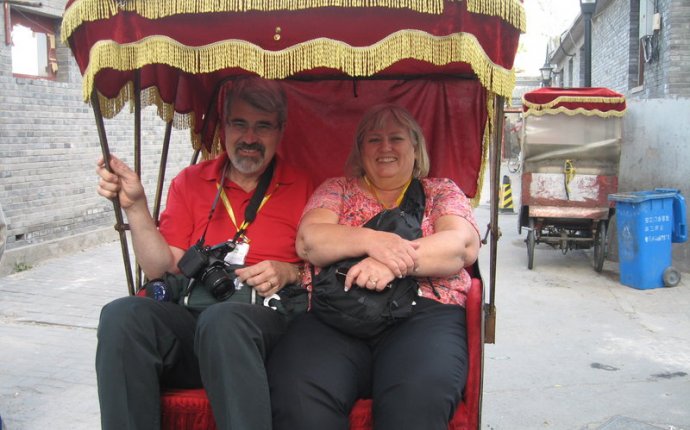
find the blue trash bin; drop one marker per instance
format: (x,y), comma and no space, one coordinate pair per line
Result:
(647,223)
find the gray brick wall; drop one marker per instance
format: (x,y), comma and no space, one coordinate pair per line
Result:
(677,46)
(633,44)
(609,46)
(49,145)
(615,50)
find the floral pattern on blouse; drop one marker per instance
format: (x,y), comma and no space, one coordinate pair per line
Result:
(355,207)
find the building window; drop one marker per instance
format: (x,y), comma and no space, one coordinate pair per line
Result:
(33,45)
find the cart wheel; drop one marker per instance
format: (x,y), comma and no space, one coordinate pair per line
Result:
(671,276)
(600,248)
(531,240)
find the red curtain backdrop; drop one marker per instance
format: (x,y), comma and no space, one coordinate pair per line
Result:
(324,115)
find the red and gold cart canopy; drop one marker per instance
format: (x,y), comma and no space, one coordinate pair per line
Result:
(601,102)
(443,60)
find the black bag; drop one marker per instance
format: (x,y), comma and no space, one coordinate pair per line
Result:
(362,312)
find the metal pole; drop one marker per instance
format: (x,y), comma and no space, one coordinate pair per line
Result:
(120,226)
(139,278)
(588,50)
(495,173)
(161,171)
(8,24)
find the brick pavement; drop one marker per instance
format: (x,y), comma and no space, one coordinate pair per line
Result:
(575,349)
(48,320)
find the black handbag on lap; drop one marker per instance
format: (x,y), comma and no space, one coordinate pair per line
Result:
(362,312)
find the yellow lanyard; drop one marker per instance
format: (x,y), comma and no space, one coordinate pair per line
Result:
(231,213)
(397,201)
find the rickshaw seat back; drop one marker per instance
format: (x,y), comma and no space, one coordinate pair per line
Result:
(190,409)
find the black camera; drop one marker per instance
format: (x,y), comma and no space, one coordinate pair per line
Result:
(206,264)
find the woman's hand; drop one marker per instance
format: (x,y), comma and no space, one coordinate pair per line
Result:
(369,273)
(397,254)
(268,277)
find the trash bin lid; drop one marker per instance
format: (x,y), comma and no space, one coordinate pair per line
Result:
(641,196)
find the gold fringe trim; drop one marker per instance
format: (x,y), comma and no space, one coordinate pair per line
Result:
(573,99)
(511,11)
(93,10)
(578,111)
(216,147)
(149,97)
(486,145)
(353,61)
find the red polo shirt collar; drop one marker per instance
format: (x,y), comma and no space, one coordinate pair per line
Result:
(281,176)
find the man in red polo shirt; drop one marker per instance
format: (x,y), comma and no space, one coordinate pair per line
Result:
(144,344)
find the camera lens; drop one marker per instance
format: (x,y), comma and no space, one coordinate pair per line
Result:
(219,283)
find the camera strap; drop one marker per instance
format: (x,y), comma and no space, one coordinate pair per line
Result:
(202,239)
(256,201)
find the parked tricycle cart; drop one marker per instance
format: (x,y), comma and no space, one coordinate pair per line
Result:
(570,155)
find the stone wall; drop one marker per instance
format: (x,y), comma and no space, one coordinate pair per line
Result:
(48,149)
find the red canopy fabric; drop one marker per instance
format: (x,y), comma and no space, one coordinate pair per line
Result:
(601,102)
(444,60)
(320,132)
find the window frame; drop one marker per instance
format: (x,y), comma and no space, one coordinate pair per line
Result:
(38,24)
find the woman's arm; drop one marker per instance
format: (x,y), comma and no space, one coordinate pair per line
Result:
(322,241)
(453,246)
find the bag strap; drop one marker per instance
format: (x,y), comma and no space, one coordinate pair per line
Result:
(414,201)
(413,204)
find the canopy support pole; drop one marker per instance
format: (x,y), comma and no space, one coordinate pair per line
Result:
(120,226)
(161,171)
(137,150)
(137,123)
(495,173)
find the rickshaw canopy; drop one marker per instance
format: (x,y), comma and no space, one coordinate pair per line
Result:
(601,102)
(444,60)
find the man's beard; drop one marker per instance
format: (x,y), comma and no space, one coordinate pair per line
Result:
(248,164)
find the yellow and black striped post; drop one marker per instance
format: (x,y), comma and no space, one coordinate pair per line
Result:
(506,203)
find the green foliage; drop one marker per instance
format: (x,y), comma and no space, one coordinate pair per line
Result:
(21,267)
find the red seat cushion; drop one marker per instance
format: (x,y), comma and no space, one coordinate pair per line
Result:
(186,410)
(190,409)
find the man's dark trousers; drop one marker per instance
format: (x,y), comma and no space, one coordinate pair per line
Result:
(145,346)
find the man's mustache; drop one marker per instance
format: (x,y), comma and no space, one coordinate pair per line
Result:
(251,147)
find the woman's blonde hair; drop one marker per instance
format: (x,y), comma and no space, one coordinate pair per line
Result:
(375,118)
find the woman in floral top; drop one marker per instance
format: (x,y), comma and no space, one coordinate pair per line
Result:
(414,371)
